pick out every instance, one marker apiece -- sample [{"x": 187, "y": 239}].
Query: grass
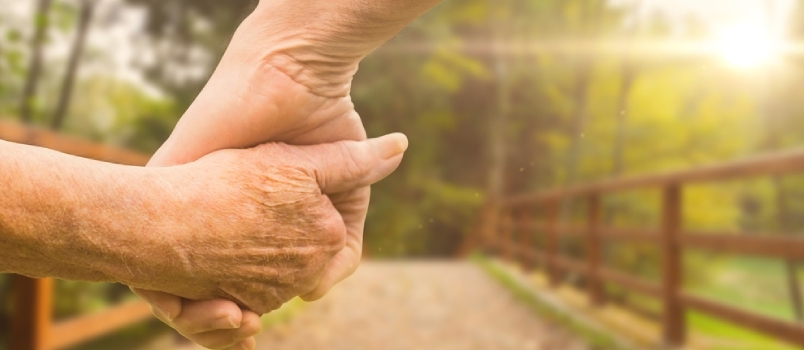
[
  {"x": 595, "y": 338},
  {"x": 726, "y": 336},
  {"x": 752, "y": 284},
  {"x": 756, "y": 284}
]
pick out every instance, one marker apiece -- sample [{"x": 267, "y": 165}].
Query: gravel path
[{"x": 418, "y": 305}]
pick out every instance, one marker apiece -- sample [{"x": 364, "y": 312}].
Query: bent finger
[
  {"x": 207, "y": 315},
  {"x": 222, "y": 339},
  {"x": 343, "y": 265}
]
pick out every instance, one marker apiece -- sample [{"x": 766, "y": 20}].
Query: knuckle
[
  {"x": 333, "y": 232},
  {"x": 250, "y": 329},
  {"x": 184, "y": 326}
]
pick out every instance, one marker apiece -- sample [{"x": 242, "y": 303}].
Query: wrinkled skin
[
  {"x": 268, "y": 230},
  {"x": 286, "y": 76},
  {"x": 281, "y": 231}
]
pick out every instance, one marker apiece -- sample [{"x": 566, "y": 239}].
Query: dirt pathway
[{"x": 418, "y": 305}]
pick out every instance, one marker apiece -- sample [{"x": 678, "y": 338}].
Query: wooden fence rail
[
  {"x": 670, "y": 237},
  {"x": 32, "y": 325}
]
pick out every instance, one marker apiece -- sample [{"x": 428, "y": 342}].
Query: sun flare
[{"x": 747, "y": 46}]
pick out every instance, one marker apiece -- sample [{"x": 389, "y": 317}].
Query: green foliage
[
  {"x": 594, "y": 337},
  {"x": 562, "y": 125},
  {"x": 120, "y": 113}
]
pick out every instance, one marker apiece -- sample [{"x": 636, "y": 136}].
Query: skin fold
[{"x": 286, "y": 76}]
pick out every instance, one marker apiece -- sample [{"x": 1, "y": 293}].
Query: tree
[
  {"x": 41, "y": 23},
  {"x": 86, "y": 14}
]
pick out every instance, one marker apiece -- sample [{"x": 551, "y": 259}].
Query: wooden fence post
[
  {"x": 32, "y": 315},
  {"x": 506, "y": 235},
  {"x": 594, "y": 251},
  {"x": 673, "y": 322},
  {"x": 490, "y": 228},
  {"x": 486, "y": 227},
  {"x": 525, "y": 235},
  {"x": 552, "y": 249}
]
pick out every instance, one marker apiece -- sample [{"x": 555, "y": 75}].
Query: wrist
[
  {"x": 292, "y": 41},
  {"x": 111, "y": 215},
  {"x": 146, "y": 215}
]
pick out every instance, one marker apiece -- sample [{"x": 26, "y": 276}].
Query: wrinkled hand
[
  {"x": 273, "y": 233},
  {"x": 279, "y": 80}
]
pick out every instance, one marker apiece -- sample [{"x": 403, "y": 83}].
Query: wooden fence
[
  {"x": 32, "y": 325},
  {"x": 515, "y": 214}
]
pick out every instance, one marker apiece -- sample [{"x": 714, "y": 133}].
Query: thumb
[{"x": 347, "y": 165}]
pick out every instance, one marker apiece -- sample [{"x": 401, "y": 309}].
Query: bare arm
[
  {"x": 325, "y": 40},
  {"x": 254, "y": 226},
  {"x": 68, "y": 217}
]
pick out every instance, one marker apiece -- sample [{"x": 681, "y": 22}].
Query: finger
[
  {"x": 347, "y": 165},
  {"x": 353, "y": 206},
  {"x": 222, "y": 339},
  {"x": 247, "y": 344},
  {"x": 343, "y": 265},
  {"x": 208, "y": 315},
  {"x": 164, "y": 306}
]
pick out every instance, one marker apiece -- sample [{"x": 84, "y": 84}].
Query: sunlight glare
[{"x": 747, "y": 46}]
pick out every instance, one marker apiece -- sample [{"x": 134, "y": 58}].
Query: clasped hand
[
  {"x": 257, "y": 228},
  {"x": 286, "y": 77}
]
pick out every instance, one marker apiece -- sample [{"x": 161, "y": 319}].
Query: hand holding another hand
[
  {"x": 257, "y": 228},
  {"x": 285, "y": 77}
]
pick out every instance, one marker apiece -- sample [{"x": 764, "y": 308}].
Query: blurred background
[{"x": 497, "y": 98}]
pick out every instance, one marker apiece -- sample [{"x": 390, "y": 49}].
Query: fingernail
[
  {"x": 390, "y": 146},
  {"x": 226, "y": 322},
  {"x": 162, "y": 314}
]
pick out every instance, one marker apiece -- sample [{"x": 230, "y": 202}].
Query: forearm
[
  {"x": 67, "y": 217},
  {"x": 329, "y": 37},
  {"x": 362, "y": 25}
]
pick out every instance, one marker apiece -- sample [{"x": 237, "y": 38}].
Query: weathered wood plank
[
  {"x": 775, "y": 246},
  {"x": 673, "y": 320},
  {"x": 32, "y": 313},
  {"x": 777, "y": 328},
  {"x": 763, "y": 165},
  {"x": 77, "y": 330}
]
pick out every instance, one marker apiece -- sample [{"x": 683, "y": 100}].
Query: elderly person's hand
[
  {"x": 254, "y": 226},
  {"x": 286, "y": 76},
  {"x": 275, "y": 217}
]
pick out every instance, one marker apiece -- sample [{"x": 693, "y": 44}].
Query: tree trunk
[
  {"x": 87, "y": 12},
  {"x": 628, "y": 75},
  {"x": 498, "y": 122},
  {"x": 773, "y": 135},
  {"x": 580, "y": 91},
  {"x": 41, "y": 21},
  {"x": 580, "y": 119},
  {"x": 783, "y": 211}
]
